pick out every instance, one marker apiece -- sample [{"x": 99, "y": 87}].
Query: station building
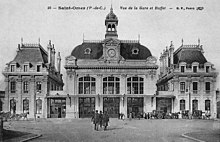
[
  {"x": 113, "y": 75},
  {"x": 187, "y": 80},
  {"x": 29, "y": 78}
]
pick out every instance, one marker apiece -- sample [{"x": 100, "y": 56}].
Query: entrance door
[
  {"x": 111, "y": 106},
  {"x": 57, "y": 107},
  {"x": 135, "y": 106},
  {"x": 164, "y": 104},
  {"x": 86, "y": 107}
]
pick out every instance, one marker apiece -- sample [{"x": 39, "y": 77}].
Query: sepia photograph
[{"x": 109, "y": 71}]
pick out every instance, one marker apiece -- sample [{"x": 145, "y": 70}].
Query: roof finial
[
  {"x": 39, "y": 40},
  {"x": 182, "y": 41},
  {"x": 21, "y": 40},
  {"x": 111, "y": 9},
  {"x": 139, "y": 37},
  {"x": 198, "y": 41}
]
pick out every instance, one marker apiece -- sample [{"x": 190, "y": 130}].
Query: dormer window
[
  {"x": 38, "y": 68},
  {"x": 182, "y": 68},
  {"x": 135, "y": 51},
  {"x": 12, "y": 68},
  {"x": 87, "y": 51},
  {"x": 194, "y": 69},
  {"x": 207, "y": 69},
  {"x": 25, "y": 68}
]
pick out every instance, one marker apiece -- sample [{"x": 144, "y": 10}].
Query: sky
[{"x": 158, "y": 23}]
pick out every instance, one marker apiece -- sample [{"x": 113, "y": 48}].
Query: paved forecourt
[{"x": 82, "y": 130}]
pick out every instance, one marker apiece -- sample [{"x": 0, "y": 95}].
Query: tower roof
[{"x": 111, "y": 16}]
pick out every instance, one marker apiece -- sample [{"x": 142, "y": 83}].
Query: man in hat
[
  {"x": 95, "y": 119},
  {"x": 105, "y": 120}
]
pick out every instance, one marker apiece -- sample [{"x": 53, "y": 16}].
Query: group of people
[{"x": 100, "y": 119}]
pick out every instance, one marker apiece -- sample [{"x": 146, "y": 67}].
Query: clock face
[{"x": 111, "y": 52}]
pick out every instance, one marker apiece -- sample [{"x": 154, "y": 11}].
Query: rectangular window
[
  {"x": 182, "y": 68},
  {"x": 207, "y": 87},
  {"x": 25, "y": 87},
  {"x": 195, "y": 69},
  {"x": 12, "y": 68},
  {"x": 38, "y": 68},
  {"x": 207, "y": 69},
  {"x": 38, "y": 87},
  {"x": 195, "y": 87},
  {"x": 13, "y": 87},
  {"x": 182, "y": 87},
  {"x": 25, "y": 68}
]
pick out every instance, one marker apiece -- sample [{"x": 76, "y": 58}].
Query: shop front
[{"x": 57, "y": 107}]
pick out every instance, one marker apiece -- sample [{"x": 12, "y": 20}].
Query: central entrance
[
  {"x": 111, "y": 106},
  {"x": 135, "y": 106},
  {"x": 86, "y": 107}
]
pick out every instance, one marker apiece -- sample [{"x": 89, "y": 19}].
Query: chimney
[
  {"x": 58, "y": 62},
  {"x": 53, "y": 56},
  {"x": 171, "y": 53},
  {"x": 49, "y": 50}
]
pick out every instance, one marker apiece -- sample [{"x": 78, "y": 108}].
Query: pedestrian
[
  {"x": 130, "y": 116},
  {"x": 105, "y": 120},
  {"x": 100, "y": 119},
  {"x": 95, "y": 119}
]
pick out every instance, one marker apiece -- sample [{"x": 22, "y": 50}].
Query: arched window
[
  {"x": 38, "y": 106},
  {"x": 13, "y": 106},
  {"x": 111, "y": 85},
  {"x": 86, "y": 85},
  {"x": 195, "y": 105},
  {"x": 113, "y": 27},
  {"x": 25, "y": 105},
  {"x": 135, "y": 85},
  {"x": 182, "y": 104},
  {"x": 207, "y": 105},
  {"x": 109, "y": 27}
]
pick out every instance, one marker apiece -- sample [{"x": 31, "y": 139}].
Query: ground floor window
[
  {"x": 25, "y": 105},
  {"x": 111, "y": 106},
  {"x": 207, "y": 105},
  {"x": 86, "y": 107},
  {"x": 135, "y": 106},
  {"x": 194, "y": 105},
  {"x": 164, "y": 104},
  {"x": 38, "y": 106},
  {"x": 57, "y": 107},
  {"x": 182, "y": 104},
  {"x": 13, "y": 106}
]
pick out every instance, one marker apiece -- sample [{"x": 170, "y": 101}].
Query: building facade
[
  {"x": 187, "y": 81},
  {"x": 113, "y": 75},
  {"x": 29, "y": 78}
]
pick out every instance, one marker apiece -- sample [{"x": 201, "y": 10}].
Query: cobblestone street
[{"x": 81, "y": 130}]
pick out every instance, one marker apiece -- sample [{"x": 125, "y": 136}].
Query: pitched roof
[
  {"x": 189, "y": 54},
  {"x": 32, "y": 53},
  {"x": 97, "y": 51}
]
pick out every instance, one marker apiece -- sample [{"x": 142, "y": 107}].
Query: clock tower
[{"x": 111, "y": 44}]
